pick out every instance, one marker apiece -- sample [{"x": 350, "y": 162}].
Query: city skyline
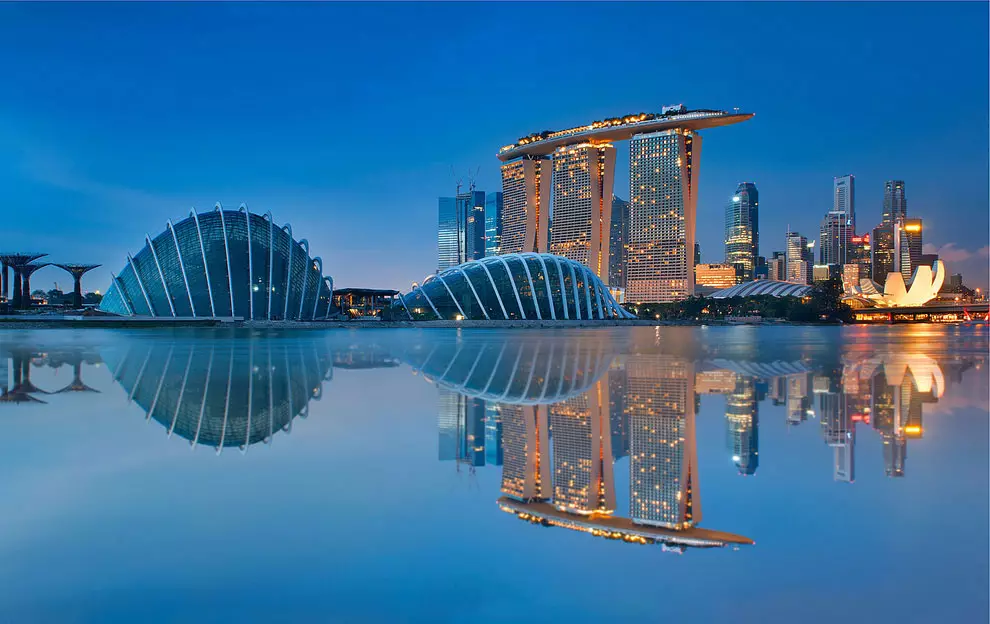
[{"x": 237, "y": 145}]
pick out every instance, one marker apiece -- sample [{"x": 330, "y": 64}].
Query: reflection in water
[
  {"x": 558, "y": 459},
  {"x": 222, "y": 392},
  {"x": 554, "y": 412}
]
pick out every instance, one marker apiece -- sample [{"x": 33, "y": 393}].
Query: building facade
[
  {"x": 907, "y": 246},
  {"x": 742, "y": 229},
  {"x": 836, "y": 236},
  {"x": 471, "y": 210},
  {"x": 493, "y": 223},
  {"x": 222, "y": 263},
  {"x": 663, "y": 198},
  {"x": 882, "y": 252},
  {"x": 894, "y": 202},
  {"x": 618, "y": 245},
  {"x": 715, "y": 276},
  {"x": 582, "y": 204},
  {"x": 525, "y": 205},
  {"x": 844, "y": 200},
  {"x": 450, "y": 234},
  {"x": 777, "y": 267},
  {"x": 797, "y": 258}
]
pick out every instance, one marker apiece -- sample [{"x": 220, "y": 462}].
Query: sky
[{"x": 347, "y": 120}]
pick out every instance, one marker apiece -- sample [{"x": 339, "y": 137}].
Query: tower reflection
[{"x": 558, "y": 450}]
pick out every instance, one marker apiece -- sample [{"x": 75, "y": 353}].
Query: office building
[
  {"x": 894, "y": 202},
  {"x": 471, "y": 211},
  {"x": 618, "y": 244},
  {"x": 859, "y": 253},
  {"x": 777, "y": 267},
  {"x": 582, "y": 204},
  {"x": 742, "y": 229},
  {"x": 797, "y": 257},
  {"x": 525, "y": 205},
  {"x": 836, "y": 236},
  {"x": 715, "y": 276},
  {"x": 844, "y": 198},
  {"x": 907, "y": 247},
  {"x": 762, "y": 270},
  {"x": 882, "y": 252},
  {"x": 493, "y": 223},
  {"x": 450, "y": 234},
  {"x": 663, "y": 203}
]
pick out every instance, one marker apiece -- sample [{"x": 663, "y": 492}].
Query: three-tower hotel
[{"x": 578, "y": 164}]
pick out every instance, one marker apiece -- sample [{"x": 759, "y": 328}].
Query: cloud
[
  {"x": 973, "y": 264},
  {"x": 950, "y": 252}
]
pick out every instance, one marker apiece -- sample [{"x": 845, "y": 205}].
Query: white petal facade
[
  {"x": 222, "y": 263},
  {"x": 925, "y": 284},
  {"x": 526, "y": 286}
]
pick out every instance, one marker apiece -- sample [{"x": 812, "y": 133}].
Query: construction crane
[
  {"x": 473, "y": 178},
  {"x": 457, "y": 184}
]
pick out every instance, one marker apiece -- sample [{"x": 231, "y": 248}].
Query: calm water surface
[{"x": 714, "y": 474}]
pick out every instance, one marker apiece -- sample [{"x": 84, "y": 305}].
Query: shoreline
[{"x": 109, "y": 322}]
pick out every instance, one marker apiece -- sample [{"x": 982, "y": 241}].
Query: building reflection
[
  {"x": 222, "y": 392},
  {"x": 559, "y": 452}
]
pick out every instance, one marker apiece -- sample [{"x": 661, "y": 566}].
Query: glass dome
[
  {"x": 525, "y": 286},
  {"x": 222, "y": 263}
]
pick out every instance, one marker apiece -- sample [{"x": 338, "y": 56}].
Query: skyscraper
[
  {"x": 618, "y": 243},
  {"x": 798, "y": 268},
  {"x": 882, "y": 252},
  {"x": 907, "y": 246},
  {"x": 460, "y": 229},
  {"x": 742, "y": 229},
  {"x": 777, "y": 267},
  {"x": 472, "y": 206},
  {"x": 493, "y": 223},
  {"x": 525, "y": 204},
  {"x": 894, "y": 202},
  {"x": 582, "y": 204},
  {"x": 663, "y": 197},
  {"x": 836, "y": 235},
  {"x": 449, "y": 234},
  {"x": 844, "y": 188}
]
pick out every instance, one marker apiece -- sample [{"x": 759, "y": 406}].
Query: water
[{"x": 362, "y": 475}]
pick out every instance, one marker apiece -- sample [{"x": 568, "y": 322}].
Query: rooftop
[{"x": 619, "y": 129}]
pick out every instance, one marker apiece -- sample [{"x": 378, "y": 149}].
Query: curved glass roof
[
  {"x": 526, "y": 286},
  {"x": 518, "y": 372},
  {"x": 763, "y": 287},
  {"x": 222, "y": 393},
  {"x": 222, "y": 263}
]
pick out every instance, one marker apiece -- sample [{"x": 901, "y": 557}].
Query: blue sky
[{"x": 345, "y": 120}]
